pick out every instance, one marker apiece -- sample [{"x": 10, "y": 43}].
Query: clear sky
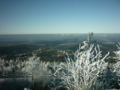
[{"x": 59, "y": 16}]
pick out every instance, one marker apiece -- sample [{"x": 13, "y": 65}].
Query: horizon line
[{"x": 52, "y": 33}]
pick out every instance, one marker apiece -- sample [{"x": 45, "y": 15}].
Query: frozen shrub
[
  {"x": 35, "y": 67},
  {"x": 7, "y": 66},
  {"x": 82, "y": 72},
  {"x": 117, "y": 53},
  {"x": 116, "y": 66}
]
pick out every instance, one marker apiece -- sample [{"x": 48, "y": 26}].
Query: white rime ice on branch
[
  {"x": 116, "y": 66},
  {"x": 82, "y": 72},
  {"x": 117, "y": 53}
]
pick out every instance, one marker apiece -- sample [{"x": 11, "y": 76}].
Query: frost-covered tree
[
  {"x": 117, "y": 53},
  {"x": 116, "y": 66},
  {"x": 8, "y": 66},
  {"x": 82, "y": 72},
  {"x": 35, "y": 67}
]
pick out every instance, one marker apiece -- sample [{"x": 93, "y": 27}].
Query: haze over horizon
[{"x": 59, "y": 16}]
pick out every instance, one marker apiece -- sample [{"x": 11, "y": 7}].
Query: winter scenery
[
  {"x": 83, "y": 62},
  {"x": 59, "y": 44}
]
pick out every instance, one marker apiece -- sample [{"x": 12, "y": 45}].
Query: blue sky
[{"x": 59, "y": 16}]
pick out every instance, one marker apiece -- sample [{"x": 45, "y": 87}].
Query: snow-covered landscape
[
  {"x": 59, "y": 44},
  {"x": 87, "y": 70}
]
